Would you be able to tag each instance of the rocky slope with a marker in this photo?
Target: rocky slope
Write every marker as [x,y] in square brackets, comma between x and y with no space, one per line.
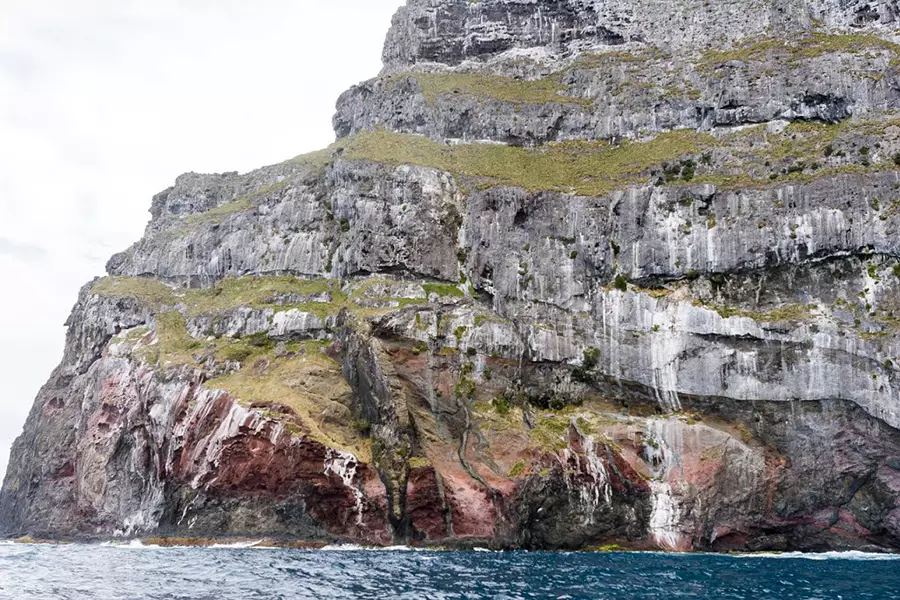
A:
[575,274]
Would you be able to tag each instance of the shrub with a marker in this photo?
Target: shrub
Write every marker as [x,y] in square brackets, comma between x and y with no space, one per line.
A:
[501,405]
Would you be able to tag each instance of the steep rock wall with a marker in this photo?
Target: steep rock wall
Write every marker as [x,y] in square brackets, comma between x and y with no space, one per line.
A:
[575,274]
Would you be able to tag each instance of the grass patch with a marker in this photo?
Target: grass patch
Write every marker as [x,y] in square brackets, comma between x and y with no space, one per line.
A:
[803,152]
[262,292]
[504,89]
[305,380]
[318,159]
[517,469]
[311,385]
[219,213]
[443,290]
[175,348]
[419,462]
[589,168]
[149,292]
[549,431]
[228,294]
[791,312]
[811,46]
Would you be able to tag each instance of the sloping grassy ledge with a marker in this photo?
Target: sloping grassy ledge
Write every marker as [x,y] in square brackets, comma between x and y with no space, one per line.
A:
[587,168]
[812,46]
[495,87]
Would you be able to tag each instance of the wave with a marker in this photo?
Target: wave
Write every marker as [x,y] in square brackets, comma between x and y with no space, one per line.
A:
[849,555]
[237,545]
[358,548]
[140,545]
[132,545]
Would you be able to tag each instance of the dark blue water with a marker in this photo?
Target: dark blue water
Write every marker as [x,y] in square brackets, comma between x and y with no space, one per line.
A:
[75,572]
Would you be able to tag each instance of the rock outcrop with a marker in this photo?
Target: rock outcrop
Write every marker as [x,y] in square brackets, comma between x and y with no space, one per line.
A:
[575,274]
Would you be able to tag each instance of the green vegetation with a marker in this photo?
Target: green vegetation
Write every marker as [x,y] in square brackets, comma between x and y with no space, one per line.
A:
[811,46]
[466,388]
[219,213]
[262,292]
[517,469]
[419,462]
[586,371]
[310,384]
[503,89]
[606,548]
[791,312]
[548,432]
[803,152]
[501,405]
[149,292]
[243,203]
[228,294]
[590,168]
[318,159]
[175,347]
[443,290]
[585,426]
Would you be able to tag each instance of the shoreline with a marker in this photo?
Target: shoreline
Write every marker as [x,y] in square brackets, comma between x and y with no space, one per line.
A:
[236,543]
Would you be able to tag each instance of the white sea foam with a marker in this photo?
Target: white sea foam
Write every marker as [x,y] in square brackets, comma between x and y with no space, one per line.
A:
[358,548]
[131,545]
[344,548]
[8,549]
[238,545]
[849,555]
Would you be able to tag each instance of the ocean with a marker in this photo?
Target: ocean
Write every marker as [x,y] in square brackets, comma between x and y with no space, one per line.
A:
[244,573]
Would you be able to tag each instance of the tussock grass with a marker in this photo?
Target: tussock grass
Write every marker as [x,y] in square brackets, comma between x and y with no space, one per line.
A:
[790,312]
[220,213]
[503,89]
[317,159]
[549,432]
[261,292]
[811,46]
[311,385]
[226,295]
[588,168]
[149,292]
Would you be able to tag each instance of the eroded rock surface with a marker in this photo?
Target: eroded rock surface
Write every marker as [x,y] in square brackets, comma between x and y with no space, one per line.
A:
[575,275]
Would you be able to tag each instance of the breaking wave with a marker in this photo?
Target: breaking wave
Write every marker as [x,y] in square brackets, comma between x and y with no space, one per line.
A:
[849,555]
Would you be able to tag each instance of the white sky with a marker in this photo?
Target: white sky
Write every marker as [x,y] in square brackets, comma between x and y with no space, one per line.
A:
[104,102]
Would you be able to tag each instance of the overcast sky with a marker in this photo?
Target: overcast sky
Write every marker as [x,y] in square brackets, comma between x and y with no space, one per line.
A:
[104,102]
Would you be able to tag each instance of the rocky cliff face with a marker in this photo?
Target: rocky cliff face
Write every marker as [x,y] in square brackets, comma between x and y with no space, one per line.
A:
[576,273]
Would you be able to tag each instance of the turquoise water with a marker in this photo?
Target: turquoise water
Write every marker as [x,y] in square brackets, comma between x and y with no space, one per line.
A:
[74,572]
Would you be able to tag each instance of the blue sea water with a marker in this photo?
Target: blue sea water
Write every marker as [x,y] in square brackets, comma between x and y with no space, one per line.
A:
[244,573]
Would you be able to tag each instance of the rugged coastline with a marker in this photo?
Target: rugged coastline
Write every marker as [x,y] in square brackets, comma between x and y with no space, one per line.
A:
[570,277]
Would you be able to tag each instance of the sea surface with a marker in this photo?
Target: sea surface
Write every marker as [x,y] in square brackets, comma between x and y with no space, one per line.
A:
[244,573]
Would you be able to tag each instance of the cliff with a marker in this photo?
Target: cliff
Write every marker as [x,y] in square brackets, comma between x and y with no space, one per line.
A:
[575,273]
